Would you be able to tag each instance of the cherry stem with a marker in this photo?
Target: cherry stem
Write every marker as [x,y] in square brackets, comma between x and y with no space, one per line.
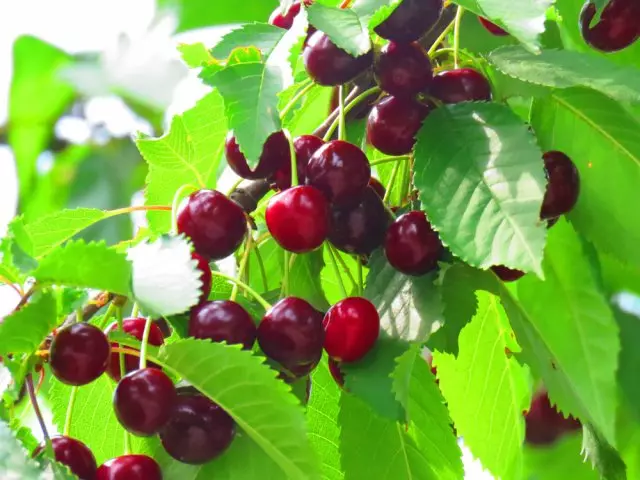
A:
[177,198]
[234,187]
[350,106]
[439,40]
[36,409]
[388,160]
[296,97]
[292,158]
[67,420]
[145,343]
[121,328]
[246,287]
[243,265]
[263,271]
[456,36]
[336,270]
[135,311]
[15,287]
[360,277]
[342,129]
[285,280]
[392,179]
[345,4]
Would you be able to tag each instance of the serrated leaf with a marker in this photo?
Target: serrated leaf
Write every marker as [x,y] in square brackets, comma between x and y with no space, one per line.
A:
[487,389]
[609,165]
[262,36]
[14,462]
[481,182]
[87,265]
[603,456]
[23,331]
[374,12]
[194,55]
[344,27]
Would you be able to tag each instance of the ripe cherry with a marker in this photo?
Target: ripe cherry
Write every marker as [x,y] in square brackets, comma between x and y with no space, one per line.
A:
[544,424]
[130,467]
[143,401]
[492,28]
[327,64]
[507,274]
[223,321]
[74,454]
[285,20]
[351,329]
[619,25]
[298,218]
[461,85]
[205,277]
[394,122]
[305,146]
[275,155]
[377,187]
[410,20]
[341,171]
[563,185]
[79,354]
[336,372]
[198,430]
[134,327]
[411,245]
[291,333]
[359,229]
[403,69]
[215,224]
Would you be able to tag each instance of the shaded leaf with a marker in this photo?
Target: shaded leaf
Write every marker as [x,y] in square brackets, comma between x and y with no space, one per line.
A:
[603,456]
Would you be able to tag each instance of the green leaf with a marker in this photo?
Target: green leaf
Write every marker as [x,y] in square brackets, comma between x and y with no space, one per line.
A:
[566,69]
[629,359]
[481,182]
[312,112]
[559,461]
[262,36]
[188,154]
[304,279]
[344,27]
[87,265]
[194,55]
[23,331]
[609,164]
[603,456]
[14,461]
[374,12]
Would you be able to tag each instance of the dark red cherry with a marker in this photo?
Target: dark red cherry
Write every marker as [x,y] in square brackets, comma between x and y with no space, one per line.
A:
[492,28]
[351,329]
[411,245]
[298,218]
[544,424]
[223,321]
[377,187]
[215,224]
[359,229]
[327,64]
[461,85]
[134,327]
[403,69]
[79,354]
[285,20]
[410,20]
[507,274]
[619,25]
[130,467]
[143,401]
[291,333]
[295,372]
[203,265]
[394,122]
[563,185]
[198,430]
[74,454]
[341,171]
[336,372]
[305,146]
[275,155]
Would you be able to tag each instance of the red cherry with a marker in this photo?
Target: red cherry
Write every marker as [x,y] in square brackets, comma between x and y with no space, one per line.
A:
[336,372]
[215,224]
[492,28]
[403,69]
[223,321]
[198,430]
[285,20]
[410,20]
[130,467]
[143,401]
[411,245]
[619,25]
[79,354]
[507,274]
[74,454]
[563,186]
[341,171]
[298,218]
[351,329]
[305,146]
[295,372]
[329,65]
[134,327]
[377,187]
[205,277]
[393,124]
[461,85]
[275,155]
[544,424]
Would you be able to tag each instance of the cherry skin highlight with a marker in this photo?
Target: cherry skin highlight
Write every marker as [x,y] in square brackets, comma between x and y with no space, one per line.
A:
[143,401]
[130,467]
[351,329]
[74,454]
[285,20]
[205,277]
[215,224]
[403,69]
[223,321]
[492,28]
[275,155]
[563,185]
[507,274]
[410,20]
[619,25]
[461,85]
[79,354]
[305,146]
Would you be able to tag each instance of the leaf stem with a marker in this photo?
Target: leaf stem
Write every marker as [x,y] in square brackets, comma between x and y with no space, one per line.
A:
[348,108]
[456,36]
[246,287]
[336,271]
[342,129]
[295,99]
[392,179]
[145,343]
[442,36]
[177,198]
[380,161]
[292,158]
[67,420]
[243,265]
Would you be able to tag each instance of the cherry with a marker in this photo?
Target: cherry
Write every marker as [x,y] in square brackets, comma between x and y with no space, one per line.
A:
[79,354]
[215,224]
[305,146]
[328,65]
[143,401]
[411,245]
[291,333]
[285,20]
[507,274]
[341,171]
[205,277]
[563,186]
[619,25]
[223,321]
[130,467]
[198,430]
[359,229]
[74,454]
[298,218]
[336,372]
[394,122]
[377,187]
[275,155]
[461,85]
[410,20]
[134,327]
[403,69]
[492,28]
[544,424]
[296,372]
[351,329]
